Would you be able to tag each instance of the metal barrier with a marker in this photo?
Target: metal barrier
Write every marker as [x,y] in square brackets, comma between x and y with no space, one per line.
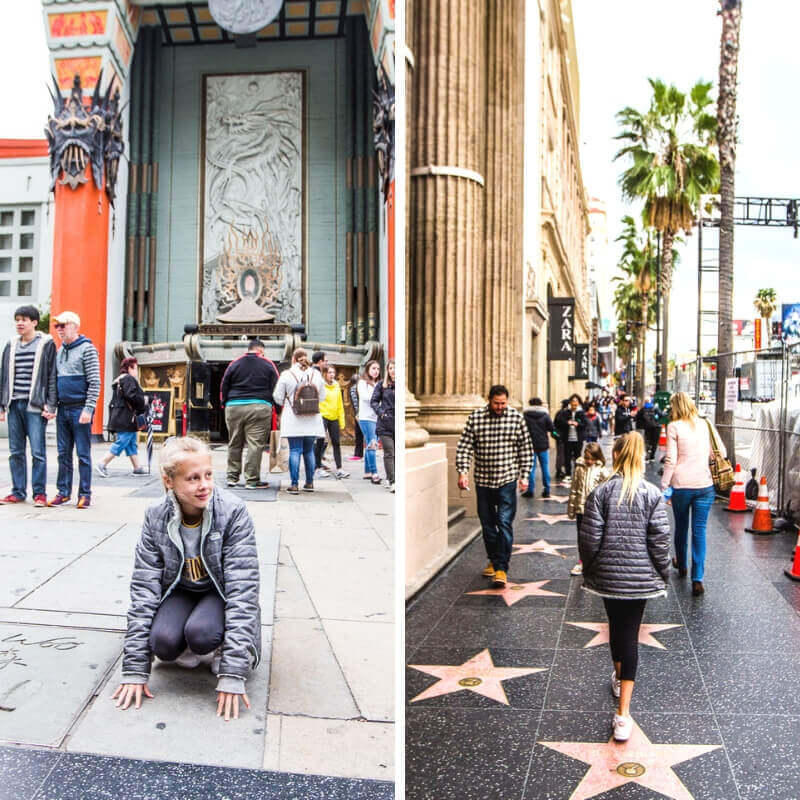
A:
[766,415]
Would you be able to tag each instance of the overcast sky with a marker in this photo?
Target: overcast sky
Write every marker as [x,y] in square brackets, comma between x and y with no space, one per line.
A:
[621,43]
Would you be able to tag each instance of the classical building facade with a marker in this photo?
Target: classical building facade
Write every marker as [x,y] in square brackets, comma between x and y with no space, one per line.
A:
[496,230]
[241,174]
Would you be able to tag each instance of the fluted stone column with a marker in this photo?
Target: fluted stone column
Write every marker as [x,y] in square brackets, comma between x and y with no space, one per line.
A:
[445,222]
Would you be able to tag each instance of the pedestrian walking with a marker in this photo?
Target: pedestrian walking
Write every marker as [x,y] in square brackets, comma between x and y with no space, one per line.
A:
[540,428]
[332,410]
[570,423]
[78,387]
[368,420]
[623,421]
[594,428]
[352,391]
[299,390]
[496,439]
[194,589]
[560,445]
[686,470]
[590,472]
[624,546]
[246,394]
[382,403]
[647,421]
[27,401]
[128,402]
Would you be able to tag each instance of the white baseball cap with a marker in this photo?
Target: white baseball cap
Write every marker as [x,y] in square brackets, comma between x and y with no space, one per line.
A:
[68,316]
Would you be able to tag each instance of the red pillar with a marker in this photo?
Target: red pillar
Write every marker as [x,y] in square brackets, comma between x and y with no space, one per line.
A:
[390,265]
[80,265]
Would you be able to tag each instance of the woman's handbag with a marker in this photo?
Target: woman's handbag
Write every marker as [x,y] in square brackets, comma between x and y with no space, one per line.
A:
[721,470]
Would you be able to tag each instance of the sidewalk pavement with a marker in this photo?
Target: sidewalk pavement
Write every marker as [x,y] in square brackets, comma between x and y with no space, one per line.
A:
[716,701]
[322,697]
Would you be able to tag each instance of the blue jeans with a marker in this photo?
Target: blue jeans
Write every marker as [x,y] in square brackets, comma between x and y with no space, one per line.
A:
[699,501]
[370,461]
[69,433]
[496,510]
[22,425]
[544,465]
[301,446]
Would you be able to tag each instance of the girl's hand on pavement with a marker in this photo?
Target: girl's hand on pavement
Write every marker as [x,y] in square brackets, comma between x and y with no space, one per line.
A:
[226,701]
[128,692]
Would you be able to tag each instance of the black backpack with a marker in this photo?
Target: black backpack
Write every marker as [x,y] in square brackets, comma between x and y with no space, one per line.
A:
[305,401]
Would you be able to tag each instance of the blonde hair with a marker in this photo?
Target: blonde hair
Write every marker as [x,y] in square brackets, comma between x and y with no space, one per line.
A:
[175,449]
[682,407]
[628,456]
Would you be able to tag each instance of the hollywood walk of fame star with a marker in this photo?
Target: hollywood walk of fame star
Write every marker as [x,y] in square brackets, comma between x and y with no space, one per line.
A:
[550,519]
[514,592]
[602,634]
[636,761]
[478,674]
[541,546]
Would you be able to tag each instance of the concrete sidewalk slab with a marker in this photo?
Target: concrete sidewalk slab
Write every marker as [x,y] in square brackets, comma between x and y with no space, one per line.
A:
[306,677]
[36,536]
[47,675]
[360,647]
[330,747]
[291,598]
[346,584]
[24,571]
[64,619]
[180,722]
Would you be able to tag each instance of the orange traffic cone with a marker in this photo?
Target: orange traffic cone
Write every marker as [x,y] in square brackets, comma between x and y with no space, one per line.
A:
[737,502]
[762,519]
[794,572]
[662,440]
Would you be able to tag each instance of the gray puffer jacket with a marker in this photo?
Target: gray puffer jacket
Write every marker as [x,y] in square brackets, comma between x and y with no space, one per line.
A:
[228,550]
[625,548]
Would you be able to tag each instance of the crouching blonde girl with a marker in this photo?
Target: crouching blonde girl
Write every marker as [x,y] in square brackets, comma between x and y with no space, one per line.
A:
[624,545]
[194,589]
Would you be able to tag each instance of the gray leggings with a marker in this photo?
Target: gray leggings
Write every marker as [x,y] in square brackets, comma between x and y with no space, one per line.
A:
[387,442]
[188,619]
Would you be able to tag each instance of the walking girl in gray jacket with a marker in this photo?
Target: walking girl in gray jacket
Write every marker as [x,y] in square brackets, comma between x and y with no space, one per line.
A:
[624,543]
[194,589]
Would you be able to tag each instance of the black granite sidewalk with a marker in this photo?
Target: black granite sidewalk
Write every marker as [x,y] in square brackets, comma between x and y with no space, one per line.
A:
[717,696]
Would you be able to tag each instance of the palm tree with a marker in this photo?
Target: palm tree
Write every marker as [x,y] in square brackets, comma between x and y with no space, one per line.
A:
[765,302]
[731,12]
[672,165]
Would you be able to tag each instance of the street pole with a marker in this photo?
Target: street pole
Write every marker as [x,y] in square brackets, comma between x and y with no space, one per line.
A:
[659,376]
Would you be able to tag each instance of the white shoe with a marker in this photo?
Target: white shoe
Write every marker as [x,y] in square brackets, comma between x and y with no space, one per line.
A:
[577,569]
[623,727]
[340,473]
[322,472]
[187,659]
[615,684]
[391,488]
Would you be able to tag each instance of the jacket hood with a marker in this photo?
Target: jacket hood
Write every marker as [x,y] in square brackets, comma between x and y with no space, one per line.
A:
[535,410]
[80,340]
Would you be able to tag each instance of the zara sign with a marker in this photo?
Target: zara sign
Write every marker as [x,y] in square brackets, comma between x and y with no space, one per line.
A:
[561,330]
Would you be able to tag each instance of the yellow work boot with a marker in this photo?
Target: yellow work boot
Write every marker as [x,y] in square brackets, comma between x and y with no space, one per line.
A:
[499,579]
[488,572]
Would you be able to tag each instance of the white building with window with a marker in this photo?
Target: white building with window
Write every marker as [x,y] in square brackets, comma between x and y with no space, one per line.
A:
[26,229]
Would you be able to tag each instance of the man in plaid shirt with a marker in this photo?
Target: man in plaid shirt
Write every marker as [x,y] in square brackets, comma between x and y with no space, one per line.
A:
[497,436]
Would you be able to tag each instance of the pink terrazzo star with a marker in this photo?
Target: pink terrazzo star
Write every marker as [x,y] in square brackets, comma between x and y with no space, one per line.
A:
[550,519]
[602,633]
[542,546]
[514,592]
[478,674]
[636,761]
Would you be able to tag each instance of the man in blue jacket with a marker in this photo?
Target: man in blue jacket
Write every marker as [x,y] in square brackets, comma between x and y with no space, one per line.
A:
[78,380]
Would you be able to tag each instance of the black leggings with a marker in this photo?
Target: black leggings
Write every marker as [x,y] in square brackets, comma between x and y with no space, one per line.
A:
[624,619]
[332,429]
[188,619]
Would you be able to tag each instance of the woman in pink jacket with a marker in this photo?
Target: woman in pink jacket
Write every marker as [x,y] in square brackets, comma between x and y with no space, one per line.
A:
[687,471]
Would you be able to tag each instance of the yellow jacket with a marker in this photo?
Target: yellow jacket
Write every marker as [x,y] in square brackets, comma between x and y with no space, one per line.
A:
[331,406]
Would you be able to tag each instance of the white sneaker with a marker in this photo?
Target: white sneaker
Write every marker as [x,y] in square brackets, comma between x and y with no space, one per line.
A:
[391,488]
[615,684]
[102,469]
[340,473]
[187,659]
[322,472]
[577,569]
[623,727]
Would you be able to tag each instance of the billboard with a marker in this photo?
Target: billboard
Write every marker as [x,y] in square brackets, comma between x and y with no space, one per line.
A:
[790,317]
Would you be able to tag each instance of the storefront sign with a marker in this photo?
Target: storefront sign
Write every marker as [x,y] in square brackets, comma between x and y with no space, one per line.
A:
[731,393]
[595,342]
[161,409]
[581,362]
[757,334]
[561,332]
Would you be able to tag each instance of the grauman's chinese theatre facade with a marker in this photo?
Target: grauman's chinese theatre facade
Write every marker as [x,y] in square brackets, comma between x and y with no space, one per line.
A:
[226,165]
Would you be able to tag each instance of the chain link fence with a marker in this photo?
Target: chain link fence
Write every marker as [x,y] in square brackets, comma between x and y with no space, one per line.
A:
[762,390]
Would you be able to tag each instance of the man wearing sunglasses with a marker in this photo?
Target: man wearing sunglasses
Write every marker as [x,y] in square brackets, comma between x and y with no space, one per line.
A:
[78,373]
[28,401]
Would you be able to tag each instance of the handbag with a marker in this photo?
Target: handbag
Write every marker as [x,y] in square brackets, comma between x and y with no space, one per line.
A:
[721,470]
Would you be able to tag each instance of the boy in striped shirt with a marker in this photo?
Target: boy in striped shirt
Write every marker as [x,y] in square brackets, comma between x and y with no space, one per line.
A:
[27,402]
